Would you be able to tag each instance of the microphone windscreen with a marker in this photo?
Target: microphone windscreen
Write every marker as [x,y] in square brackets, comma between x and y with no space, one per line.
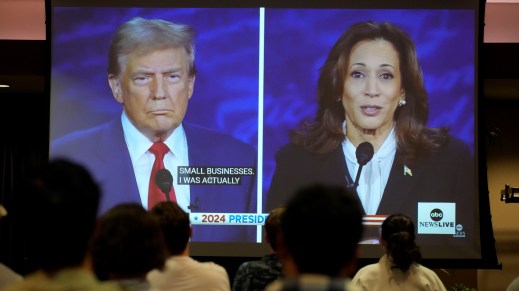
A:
[364,153]
[164,180]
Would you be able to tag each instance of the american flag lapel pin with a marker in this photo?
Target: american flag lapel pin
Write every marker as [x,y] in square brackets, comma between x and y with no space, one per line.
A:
[407,171]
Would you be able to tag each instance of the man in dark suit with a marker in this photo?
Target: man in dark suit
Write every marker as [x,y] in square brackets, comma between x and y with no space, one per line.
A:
[151,73]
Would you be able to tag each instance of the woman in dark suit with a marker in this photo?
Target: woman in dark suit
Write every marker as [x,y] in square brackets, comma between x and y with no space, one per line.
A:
[371,89]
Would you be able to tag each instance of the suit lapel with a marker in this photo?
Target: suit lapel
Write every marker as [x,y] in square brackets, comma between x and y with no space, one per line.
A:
[334,168]
[401,187]
[116,164]
[196,153]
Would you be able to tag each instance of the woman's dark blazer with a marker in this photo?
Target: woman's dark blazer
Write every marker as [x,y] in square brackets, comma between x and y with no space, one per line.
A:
[443,176]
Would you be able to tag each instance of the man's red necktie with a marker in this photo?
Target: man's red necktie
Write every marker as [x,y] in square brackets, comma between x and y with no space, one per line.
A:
[155,194]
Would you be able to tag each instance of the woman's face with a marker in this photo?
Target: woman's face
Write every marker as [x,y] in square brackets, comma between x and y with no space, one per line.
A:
[372,88]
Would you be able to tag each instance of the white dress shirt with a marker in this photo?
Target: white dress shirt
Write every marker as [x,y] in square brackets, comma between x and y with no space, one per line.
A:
[142,160]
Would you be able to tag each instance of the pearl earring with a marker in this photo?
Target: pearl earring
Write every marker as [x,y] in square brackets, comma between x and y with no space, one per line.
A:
[401,103]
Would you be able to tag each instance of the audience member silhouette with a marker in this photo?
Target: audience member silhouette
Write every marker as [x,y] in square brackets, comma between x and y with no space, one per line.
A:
[7,275]
[256,275]
[60,216]
[320,231]
[399,267]
[181,272]
[514,285]
[127,244]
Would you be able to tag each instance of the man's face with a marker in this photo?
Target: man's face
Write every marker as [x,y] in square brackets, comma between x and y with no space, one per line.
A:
[154,90]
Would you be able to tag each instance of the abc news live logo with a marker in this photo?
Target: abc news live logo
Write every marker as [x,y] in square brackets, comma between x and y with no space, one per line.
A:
[436,218]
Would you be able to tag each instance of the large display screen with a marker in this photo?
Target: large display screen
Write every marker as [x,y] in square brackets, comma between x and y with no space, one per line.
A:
[261,69]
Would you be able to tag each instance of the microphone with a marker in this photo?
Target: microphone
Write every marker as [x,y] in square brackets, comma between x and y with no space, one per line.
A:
[194,206]
[364,153]
[164,180]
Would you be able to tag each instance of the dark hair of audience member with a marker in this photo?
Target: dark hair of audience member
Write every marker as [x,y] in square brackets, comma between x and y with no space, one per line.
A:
[273,226]
[128,243]
[60,215]
[399,235]
[321,227]
[175,225]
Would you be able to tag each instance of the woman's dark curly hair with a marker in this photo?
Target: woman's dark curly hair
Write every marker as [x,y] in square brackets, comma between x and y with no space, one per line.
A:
[324,132]
[399,236]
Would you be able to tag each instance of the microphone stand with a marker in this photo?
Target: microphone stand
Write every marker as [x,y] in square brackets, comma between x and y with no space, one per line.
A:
[364,154]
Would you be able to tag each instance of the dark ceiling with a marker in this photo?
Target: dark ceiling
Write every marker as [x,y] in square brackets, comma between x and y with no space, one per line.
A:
[500,71]
[24,66]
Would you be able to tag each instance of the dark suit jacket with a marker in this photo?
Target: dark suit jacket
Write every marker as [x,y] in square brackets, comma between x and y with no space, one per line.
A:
[103,151]
[445,176]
